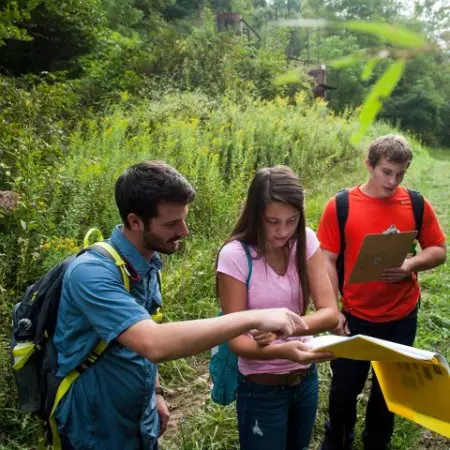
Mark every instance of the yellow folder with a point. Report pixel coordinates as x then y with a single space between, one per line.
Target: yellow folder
415 383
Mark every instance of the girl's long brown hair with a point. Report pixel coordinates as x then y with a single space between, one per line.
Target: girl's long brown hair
279 184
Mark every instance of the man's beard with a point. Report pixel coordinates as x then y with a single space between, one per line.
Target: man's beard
153 242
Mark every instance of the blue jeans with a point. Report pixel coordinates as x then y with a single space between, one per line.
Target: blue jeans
277 417
349 378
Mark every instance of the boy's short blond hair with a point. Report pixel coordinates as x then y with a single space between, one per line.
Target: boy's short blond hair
392 147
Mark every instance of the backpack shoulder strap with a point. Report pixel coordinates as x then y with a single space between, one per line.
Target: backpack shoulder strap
342 204
342 214
65 385
250 263
158 315
110 252
159 278
418 206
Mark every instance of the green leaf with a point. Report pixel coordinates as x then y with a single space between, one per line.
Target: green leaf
23 224
393 34
32 225
380 90
124 96
348 60
292 76
368 69
441 321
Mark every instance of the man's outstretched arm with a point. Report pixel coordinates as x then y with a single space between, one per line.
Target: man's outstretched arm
175 340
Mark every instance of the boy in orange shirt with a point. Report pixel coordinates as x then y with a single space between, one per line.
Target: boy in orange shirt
386 309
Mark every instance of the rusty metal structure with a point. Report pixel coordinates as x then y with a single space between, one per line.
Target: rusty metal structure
319 76
232 21
227 21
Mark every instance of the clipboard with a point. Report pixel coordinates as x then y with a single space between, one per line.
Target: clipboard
379 252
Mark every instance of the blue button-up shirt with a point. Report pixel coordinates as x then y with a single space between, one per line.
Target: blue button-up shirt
112 404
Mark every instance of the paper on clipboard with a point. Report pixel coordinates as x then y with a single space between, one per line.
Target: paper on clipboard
379 252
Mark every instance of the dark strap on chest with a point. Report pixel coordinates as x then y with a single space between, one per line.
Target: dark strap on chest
250 264
342 214
418 206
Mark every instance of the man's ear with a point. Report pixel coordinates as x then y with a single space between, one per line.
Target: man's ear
136 223
369 165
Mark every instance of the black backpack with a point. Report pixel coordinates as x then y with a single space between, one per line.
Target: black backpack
342 203
33 353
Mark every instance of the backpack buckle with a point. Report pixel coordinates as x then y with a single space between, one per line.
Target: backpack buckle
131 272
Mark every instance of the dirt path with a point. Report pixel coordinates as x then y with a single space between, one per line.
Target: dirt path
185 399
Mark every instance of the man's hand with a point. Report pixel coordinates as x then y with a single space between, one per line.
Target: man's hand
342 329
396 274
282 321
163 412
263 338
299 352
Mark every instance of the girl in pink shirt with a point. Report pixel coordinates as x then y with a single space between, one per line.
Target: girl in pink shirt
278 389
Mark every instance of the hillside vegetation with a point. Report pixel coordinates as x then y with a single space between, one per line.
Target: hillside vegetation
89 88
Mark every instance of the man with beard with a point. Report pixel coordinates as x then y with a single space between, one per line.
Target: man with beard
117 403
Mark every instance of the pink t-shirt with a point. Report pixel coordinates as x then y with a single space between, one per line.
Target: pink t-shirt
267 289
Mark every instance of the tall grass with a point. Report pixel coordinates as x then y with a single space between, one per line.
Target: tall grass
217 146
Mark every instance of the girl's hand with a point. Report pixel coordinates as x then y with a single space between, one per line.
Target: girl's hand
342 329
299 352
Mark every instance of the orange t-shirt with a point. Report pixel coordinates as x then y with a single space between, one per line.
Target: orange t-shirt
377 301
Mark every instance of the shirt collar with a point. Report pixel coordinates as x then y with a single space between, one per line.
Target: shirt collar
132 254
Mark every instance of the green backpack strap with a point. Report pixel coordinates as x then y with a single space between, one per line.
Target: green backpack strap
65 386
120 262
158 316
90 232
109 251
99 349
